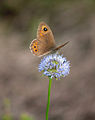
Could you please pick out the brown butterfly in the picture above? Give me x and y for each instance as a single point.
(44, 43)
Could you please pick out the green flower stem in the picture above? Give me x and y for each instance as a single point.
(48, 102)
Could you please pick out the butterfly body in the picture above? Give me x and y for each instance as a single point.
(45, 42)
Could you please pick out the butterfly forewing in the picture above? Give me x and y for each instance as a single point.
(45, 37)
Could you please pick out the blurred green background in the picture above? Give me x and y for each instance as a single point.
(23, 92)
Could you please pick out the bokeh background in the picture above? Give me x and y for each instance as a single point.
(22, 89)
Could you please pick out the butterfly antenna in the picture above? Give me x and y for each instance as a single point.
(62, 45)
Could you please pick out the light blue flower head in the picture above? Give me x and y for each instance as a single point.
(54, 65)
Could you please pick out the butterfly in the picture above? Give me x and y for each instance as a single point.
(44, 43)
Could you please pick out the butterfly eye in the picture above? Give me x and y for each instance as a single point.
(45, 29)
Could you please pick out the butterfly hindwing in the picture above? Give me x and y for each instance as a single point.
(34, 47)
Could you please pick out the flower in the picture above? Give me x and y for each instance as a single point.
(54, 65)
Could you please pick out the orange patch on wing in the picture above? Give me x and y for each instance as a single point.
(41, 34)
(35, 50)
(36, 43)
(35, 47)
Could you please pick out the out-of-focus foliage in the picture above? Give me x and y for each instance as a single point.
(7, 106)
(30, 11)
(22, 117)
(22, 14)
(7, 117)
(26, 117)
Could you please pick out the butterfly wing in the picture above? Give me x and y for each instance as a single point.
(57, 48)
(45, 40)
(34, 47)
